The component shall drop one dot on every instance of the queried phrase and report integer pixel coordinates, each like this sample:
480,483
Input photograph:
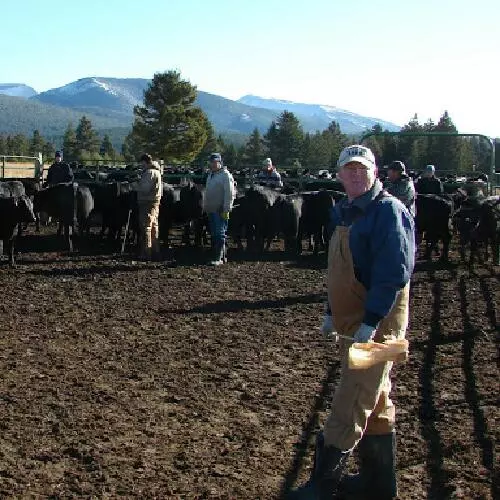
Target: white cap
357,153
268,161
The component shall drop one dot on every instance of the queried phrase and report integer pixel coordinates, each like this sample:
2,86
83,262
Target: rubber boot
377,472
219,254
329,464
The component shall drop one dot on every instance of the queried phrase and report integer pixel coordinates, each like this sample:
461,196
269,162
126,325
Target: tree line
80,144
171,127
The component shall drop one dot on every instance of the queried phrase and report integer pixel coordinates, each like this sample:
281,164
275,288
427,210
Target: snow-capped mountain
17,90
112,100
98,95
319,116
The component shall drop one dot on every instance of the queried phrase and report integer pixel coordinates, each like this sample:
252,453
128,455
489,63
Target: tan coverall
361,402
149,192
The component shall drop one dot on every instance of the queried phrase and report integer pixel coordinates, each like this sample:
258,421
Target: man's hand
225,216
364,334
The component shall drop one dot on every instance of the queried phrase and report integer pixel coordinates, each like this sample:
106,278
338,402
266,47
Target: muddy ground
164,380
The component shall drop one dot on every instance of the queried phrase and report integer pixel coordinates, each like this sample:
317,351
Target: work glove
327,327
225,216
364,334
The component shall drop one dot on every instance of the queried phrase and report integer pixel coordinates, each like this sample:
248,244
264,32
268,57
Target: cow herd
260,215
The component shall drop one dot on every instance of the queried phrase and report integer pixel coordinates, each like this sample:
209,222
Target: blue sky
387,59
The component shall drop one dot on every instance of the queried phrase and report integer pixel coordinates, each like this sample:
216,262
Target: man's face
58,159
393,175
214,165
357,179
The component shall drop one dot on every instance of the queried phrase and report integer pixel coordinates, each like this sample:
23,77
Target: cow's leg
446,247
68,235
186,234
59,228
9,250
37,222
198,232
496,250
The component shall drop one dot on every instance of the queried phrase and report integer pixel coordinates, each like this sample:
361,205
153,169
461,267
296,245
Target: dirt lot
159,381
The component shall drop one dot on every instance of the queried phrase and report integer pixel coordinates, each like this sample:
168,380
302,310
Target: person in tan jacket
149,192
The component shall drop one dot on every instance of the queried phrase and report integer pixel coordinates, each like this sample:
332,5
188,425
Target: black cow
285,216
113,201
14,211
315,219
70,204
9,189
252,217
190,213
478,224
433,222
169,212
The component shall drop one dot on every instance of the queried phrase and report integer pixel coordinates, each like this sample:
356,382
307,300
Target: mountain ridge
109,103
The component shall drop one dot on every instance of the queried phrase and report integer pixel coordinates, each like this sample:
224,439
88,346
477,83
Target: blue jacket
382,243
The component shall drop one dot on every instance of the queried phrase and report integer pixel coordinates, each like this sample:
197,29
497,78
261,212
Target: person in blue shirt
370,261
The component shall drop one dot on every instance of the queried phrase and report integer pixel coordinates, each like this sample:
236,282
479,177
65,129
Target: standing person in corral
428,183
219,198
149,192
400,185
59,172
269,176
370,261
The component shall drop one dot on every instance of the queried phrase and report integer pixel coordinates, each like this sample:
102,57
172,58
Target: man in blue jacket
370,261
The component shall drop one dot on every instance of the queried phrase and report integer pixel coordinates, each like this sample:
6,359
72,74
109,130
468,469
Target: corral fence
494,146
21,167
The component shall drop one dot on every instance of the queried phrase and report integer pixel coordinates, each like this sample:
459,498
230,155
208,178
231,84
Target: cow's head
25,209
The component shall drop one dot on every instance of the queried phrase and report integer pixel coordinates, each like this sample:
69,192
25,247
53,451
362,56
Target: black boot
329,464
377,472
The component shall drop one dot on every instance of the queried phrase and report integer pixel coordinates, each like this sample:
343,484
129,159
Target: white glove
327,327
364,334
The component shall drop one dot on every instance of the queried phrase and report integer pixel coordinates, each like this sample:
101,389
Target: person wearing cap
269,176
428,183
400,185
59,172
149,193
218,203
370,261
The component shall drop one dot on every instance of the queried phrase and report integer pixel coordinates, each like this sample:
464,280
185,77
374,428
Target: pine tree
48,150
107,148
254,152
87,142
169,125
285,139
230,156
37,143
212,144
3,145
445,150
69,144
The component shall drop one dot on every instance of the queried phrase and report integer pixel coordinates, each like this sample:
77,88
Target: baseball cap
398,166
356,153
430,168
215,157
268,161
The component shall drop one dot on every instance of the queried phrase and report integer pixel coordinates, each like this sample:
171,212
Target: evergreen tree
445,150
285,139
37,143
107,148
169,125
3,145
48,150
254,152
86,139
230,156
69,144
20,145
212,144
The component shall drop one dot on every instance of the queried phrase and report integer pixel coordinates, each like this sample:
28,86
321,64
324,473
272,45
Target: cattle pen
175,380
